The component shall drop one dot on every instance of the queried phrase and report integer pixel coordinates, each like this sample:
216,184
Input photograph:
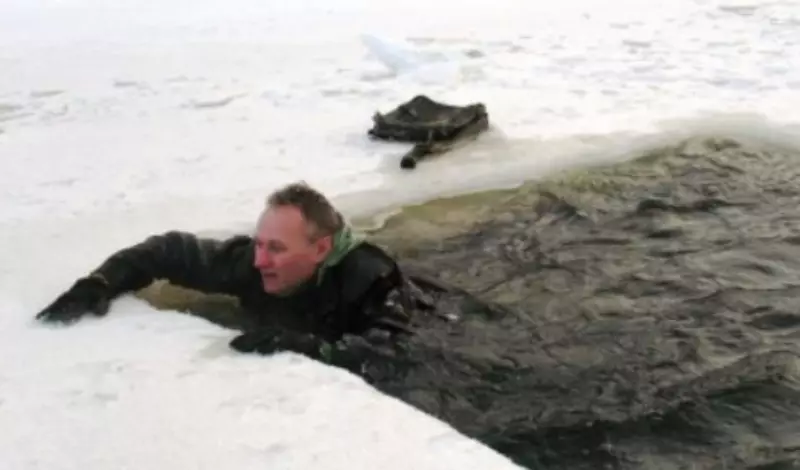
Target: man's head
294,235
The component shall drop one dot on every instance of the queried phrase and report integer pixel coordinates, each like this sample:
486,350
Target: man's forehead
281,220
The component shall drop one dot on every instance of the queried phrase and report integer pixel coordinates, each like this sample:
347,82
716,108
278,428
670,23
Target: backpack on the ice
433,126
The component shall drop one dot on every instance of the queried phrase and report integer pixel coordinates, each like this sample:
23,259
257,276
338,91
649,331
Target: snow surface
120,119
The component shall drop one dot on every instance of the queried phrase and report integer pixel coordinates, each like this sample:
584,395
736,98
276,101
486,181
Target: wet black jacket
363,294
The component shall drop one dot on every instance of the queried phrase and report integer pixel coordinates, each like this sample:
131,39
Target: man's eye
276,248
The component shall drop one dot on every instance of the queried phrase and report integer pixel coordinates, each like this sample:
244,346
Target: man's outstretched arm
184,259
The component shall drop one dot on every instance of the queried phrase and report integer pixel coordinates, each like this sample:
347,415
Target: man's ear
323,246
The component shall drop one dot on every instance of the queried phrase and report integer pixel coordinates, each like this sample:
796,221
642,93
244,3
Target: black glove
270,342
87,295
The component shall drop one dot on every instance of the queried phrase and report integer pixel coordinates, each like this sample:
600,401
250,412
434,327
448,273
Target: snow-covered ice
122,119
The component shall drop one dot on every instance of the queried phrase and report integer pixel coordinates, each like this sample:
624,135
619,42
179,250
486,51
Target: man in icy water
304,281
643,322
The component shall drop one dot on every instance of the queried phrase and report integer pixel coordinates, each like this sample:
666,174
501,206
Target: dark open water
643,315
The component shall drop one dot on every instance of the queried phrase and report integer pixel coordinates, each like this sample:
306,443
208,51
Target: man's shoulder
231,253
238,240
237,248
363,267
215,248
369,259
217,241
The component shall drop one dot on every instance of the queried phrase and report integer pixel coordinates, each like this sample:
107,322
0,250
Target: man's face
285,254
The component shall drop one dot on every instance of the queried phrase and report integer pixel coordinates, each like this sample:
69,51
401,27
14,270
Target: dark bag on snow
435,127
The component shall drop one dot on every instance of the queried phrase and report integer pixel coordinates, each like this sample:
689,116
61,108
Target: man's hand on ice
272,342
87,295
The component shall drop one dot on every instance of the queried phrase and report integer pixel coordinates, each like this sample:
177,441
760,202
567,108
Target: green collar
344,241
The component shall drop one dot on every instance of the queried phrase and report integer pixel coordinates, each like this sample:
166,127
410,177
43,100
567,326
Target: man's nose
262,258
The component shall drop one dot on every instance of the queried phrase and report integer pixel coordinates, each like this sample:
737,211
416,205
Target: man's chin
273,286
270,286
